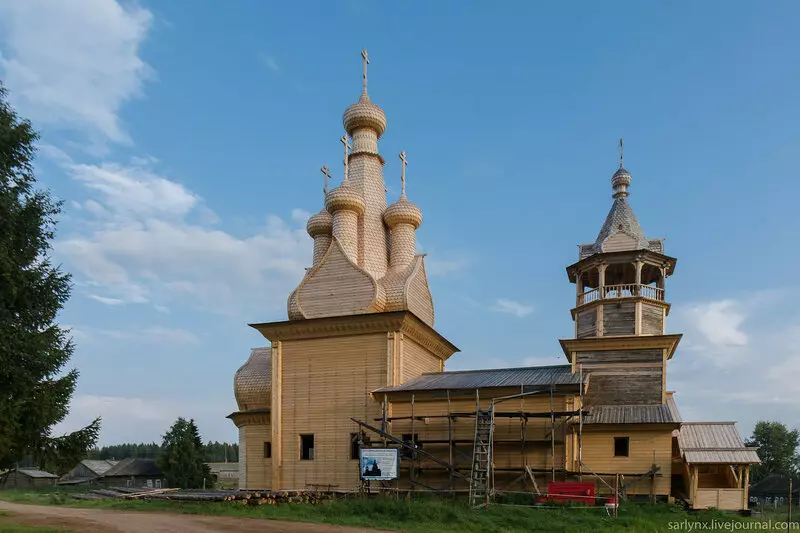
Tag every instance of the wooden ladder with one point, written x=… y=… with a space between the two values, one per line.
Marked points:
x=480 y=483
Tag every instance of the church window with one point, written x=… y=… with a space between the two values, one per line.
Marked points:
x=306 y=447
x=267 y=450
x=354 y=447
x=622 y=446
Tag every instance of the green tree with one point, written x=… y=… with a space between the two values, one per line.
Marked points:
x=777 y=449
x=34 y=394
x=182 y=458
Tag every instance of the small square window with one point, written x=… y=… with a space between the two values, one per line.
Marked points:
x=622 y=446
x=149 y=483
x=158 y=483
x=267 y=450
x=306 y=447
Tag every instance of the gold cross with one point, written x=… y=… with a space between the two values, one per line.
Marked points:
x=327 y=173
x=347 y=146
x=403 y=173
x=365 y=61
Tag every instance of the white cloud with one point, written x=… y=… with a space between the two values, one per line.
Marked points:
x=719 y=322
x=153 y=334
x=138 y=240
x=739 y=359
x=133 y=419
x=271 y=63
x=512 y=307
x=73 y=64
x=107 y=301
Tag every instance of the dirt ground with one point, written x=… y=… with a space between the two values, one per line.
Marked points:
x=109 y=521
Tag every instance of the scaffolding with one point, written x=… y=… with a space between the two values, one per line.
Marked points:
x=476 y=468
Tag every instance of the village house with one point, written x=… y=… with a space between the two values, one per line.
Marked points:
x=87 y=472
x=134 y=472
x=27 y=478
x=358 y=363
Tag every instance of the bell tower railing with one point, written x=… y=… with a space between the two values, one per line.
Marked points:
x=627 y=290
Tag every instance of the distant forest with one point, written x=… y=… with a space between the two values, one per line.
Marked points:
x=215 y=452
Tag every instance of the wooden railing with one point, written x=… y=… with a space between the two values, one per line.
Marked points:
x=627 y=290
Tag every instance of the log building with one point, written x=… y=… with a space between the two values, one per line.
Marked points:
x=359 y=363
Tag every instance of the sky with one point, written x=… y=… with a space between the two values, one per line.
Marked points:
x=185 y=140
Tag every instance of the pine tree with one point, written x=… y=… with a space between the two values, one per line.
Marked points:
x=182 y=458
x=34 y=395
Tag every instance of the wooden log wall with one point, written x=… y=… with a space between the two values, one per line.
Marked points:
x=619 y=318
x=652 y=319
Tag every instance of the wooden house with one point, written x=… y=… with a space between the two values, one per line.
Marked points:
x=87 y=472
x=135 y=473
x=27 y=478
x=360 y=364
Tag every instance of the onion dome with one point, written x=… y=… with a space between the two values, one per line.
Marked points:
x=402 y=212
x=320 y=224
x=364 y=114
x=620 y=180
x=252 y=384
x=344 y=197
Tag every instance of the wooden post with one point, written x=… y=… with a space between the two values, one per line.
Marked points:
x=450 y=441
x=523 y=430
x=616 y=494
x=552 y=436
x=789 y=520
x=746 y=487
x=578 y=288
x=414 y=444
x=638 y=279
x=580 y=427
x=601 y=271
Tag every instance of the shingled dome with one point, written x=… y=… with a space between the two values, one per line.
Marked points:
x=252 y=384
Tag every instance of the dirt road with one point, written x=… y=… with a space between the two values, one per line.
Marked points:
x=108 y=521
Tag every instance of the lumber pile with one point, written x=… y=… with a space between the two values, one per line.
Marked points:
x=241 y=497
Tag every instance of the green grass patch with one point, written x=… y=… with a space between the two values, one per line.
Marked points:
x=430 y=515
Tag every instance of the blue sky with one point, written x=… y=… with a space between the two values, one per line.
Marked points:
x=186 y=144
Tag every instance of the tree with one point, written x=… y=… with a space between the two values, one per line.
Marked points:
x=777 y=449
x=34 y=395
x=182 y=458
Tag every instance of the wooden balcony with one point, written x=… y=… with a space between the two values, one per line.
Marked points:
x=630 y=290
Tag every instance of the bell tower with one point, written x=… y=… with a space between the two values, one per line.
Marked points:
x=621 y=308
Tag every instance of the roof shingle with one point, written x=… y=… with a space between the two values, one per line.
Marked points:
x=535 y=376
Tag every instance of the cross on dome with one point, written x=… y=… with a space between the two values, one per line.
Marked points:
x=402 y=157
x=365 y=62
x=327 y=173
x=347 y=147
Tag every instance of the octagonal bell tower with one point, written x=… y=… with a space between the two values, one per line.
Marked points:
x=621 y=308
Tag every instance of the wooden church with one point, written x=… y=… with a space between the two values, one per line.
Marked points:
x=358 y=364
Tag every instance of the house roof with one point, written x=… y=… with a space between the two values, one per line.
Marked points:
x=99 y=466
x=220 y=467
x=714 y=442
x=775 y=484
x=534 y=376
x=35 y=472
x=631 y=414
x=134 y=466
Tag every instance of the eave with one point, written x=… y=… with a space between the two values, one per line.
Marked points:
x=646 y=256
x=624 y=342
x=403 y=321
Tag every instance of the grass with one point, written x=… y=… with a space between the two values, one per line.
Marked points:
x=431 y=515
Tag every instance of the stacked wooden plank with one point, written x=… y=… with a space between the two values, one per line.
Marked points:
x=241 y=497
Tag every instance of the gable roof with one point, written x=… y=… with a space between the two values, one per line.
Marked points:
x=714 y=442
x=99 y=466
x=36 y=473
x=533 y=376
x=134 y=466
x=631 y=414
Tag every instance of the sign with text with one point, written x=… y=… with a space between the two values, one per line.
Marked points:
x=379 y=463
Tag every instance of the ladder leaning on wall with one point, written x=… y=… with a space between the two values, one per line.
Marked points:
x=482 y=477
